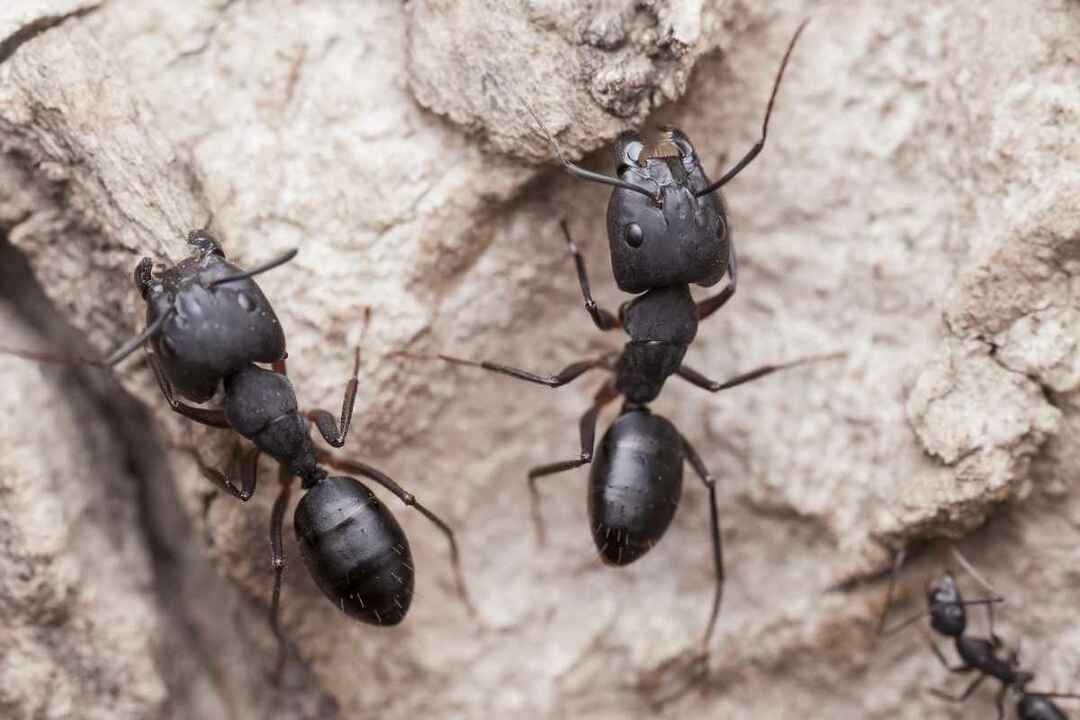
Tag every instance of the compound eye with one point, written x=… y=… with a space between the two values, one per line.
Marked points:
x=634 y=235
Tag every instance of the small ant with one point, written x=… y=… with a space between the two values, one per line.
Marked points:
x=947 y=610
x=666 y=230
x=208 y=324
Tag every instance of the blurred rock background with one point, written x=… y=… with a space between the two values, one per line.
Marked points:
x=917 y=206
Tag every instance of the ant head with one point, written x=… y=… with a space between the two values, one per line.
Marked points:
x=672 y=237
x=947 y=613
x=144 y=278
x=205 y=243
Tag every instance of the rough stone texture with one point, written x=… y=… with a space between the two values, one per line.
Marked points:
x=916 y=207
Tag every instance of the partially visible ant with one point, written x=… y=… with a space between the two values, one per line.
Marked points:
x=208 y=324
x=666 y=230
x=947 y=611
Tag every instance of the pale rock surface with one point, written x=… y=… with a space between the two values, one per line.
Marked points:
x=916 y=207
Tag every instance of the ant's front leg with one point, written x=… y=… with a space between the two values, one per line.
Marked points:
x=604 y=319
x=206 y=416
x=707 y=307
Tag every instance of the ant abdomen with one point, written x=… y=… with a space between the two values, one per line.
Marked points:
x=356 y=551
x=635 y=485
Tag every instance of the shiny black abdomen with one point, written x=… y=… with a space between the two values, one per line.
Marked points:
x=635 y=485
x=261 y=406
x=213 y=332
x=355 y=550
x=1038 y=707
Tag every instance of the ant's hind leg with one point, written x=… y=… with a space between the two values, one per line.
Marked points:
x=697 y=669
x=717 y=543
x=409 y=499
x=962 y=696
x=587 y=428
x=604 y=319
x=277 y=552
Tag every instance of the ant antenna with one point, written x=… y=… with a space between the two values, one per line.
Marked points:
x=760 y=144
x=134 y=343
x=576 y=170
x=268 y=265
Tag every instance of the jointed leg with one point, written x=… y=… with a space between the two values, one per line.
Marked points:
x=277 y=552
x=718 y=548
x=941 y=658
x=244 y=465
x=410 y=500
x=898 y=562
x=567 y=374
x=962 y=696
x=693 y=376
x=708 y=306
x=587 y=428
x=698 y=667
x=328 y=427
x=211 y=417
x=604 y=319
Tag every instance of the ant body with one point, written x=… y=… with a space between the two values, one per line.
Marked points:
x=666 y=230
x=208 y=324
x=947 y=610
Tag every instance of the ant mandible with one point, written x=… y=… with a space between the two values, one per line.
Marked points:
x=666 y=229
x=947 y=611
x=208 y=324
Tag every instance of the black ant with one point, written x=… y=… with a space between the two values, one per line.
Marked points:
x=666 y=229
x=208 y=324
x=947 y=611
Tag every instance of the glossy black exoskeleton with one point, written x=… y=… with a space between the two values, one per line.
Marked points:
x=666 y=222
x=208 y=324
x=947 y=611
x=667 y=230
x=214 y=318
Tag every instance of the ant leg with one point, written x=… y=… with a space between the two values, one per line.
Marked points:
x=694 y=377
x=328 y=427
x=567 y=374
x=945 y=663
x=212 y=417
x=277 y=553
x=898 y=561
x=999 y=701
x=587 y=428
x=604 y=319
x=708 y=306
x=941 y=694
x=245 y=465
x=718 y=548
x=410 y=500
x=698 y=667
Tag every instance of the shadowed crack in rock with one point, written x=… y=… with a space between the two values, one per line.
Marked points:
x=11 y=44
